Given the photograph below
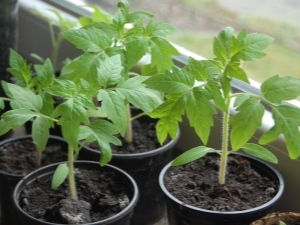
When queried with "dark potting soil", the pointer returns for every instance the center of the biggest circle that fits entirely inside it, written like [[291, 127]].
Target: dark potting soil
[[143, 139], [101, 194], [19, 157], [196, 184]]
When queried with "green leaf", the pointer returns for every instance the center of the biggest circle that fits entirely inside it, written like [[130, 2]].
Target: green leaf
[[2, 105], [245, 122], [277, 89], [260, 152], [85, 67], [136, 49], [161, 53], [20, 70], [214, 89], [202, 70], [103, 132], [17, 117], [171, 82], [45, 73], [40, 132], [71, 116], [198, 106], [59, 175], [109, 71], [159, 29], [138, 15], [190, 155], [222, 44], [240, 99], [135, 92], [234, 70], [270, 135], [100, 15], [169, 114], [90, 39], [4, 127], [114, 106], [287, 118], [25, 97], [251, 47]]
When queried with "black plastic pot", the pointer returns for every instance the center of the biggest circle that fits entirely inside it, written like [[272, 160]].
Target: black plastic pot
[[8, 182], [45, 173], [180, 213], [144, 168]]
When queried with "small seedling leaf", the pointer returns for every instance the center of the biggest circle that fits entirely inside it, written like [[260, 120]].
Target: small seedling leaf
[[191, 155], [59, 175], [260, 152]]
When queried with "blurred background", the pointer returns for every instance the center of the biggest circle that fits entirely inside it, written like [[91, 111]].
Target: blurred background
[[199, 21]]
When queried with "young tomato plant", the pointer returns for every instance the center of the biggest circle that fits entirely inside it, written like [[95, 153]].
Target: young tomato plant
[[204, 86], [112, 47]]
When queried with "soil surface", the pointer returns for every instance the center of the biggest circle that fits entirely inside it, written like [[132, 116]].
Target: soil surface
[[196, 184], [19, 157], [143, 139], [101, 194]]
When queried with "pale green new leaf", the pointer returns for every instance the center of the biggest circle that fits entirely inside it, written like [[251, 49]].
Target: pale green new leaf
[[40, 126], [245, 122], [198, 106], [219, 50], [169, 114], [114, 106], [161, 53], [136, 48], [190, 155], [135, 92], [171, 82], [25, 97], [288, 119], [90, 39], [59, 176], [109, 71], [260, 152], [277, 89]]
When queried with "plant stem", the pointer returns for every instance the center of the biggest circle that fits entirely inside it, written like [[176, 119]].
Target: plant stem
[[128, 136], [224, 153], [38, 157], [71, 173]]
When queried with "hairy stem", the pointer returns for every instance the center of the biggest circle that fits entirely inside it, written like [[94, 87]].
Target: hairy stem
[[128, 136], [71, 173], [224, 153]]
